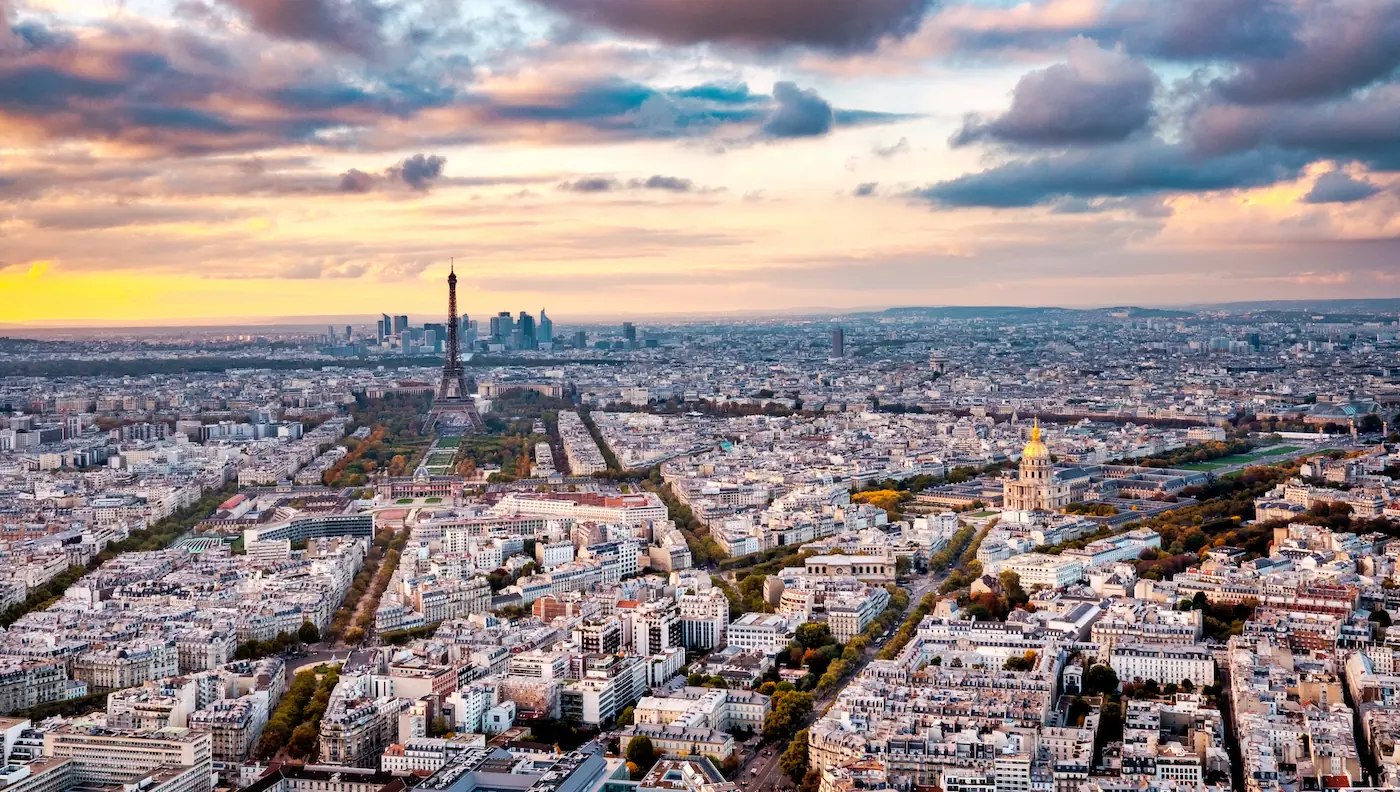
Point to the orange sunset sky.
(200, 160)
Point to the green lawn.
(433, 500)
(448, 442)
(1257, 455)
(1277, 451)
(1203, 466)
(403, 501)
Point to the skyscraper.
(838, 343)
(545, 333)
(629, 334)
(400, 324)
(386, 327)
(526, 325)
(502, 325)
(580, 339)
(349, 333)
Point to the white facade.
(1165, 664)
(760, 632)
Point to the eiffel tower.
(452, 397)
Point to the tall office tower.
(386, 327)
(349, 334)
(838, 343)
(501, 327)
(546, 329)
(526, 323)
(430, 339)
(580, 339)
(330, 333)
(629, 332)
(400, 324)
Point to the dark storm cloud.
(669, 183)
(356, 181)
(834, 25)
(601, 184)
(1338, 187)
(175, 93)
(799, 113)
(165, 93)
(1097, 97)
(351, 25)
(592, 184)
(865, 190)
(1131, 169)
(1366, 129)
(1204, 29)
(1344, 45)
(418, 171)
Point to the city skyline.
(208, 161)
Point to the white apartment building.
(760, 632)
(704, 619)
(106, 756)
(1163, 663)
(698, 707)
(553, 554)
(1040, 569)
(848, 614)
(632, 509)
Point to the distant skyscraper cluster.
(504, 332)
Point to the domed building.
(1037, 488)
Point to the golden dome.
(1036, 448)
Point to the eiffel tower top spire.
(453, 386)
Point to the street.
(315, 655)
(760, 772)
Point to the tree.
(627, 717)
(641, 753)
(814, 635)
(1101, 680)
(1011, 588)
(308, 633)
(793, 762)
(303, 741)
(790, 709)
(1025, 662)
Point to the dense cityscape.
(967, 549)
(699, 395)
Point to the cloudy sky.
(195, 160)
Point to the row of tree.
(255, 649)
(386, 543)
(296, 723)
(907, 629)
